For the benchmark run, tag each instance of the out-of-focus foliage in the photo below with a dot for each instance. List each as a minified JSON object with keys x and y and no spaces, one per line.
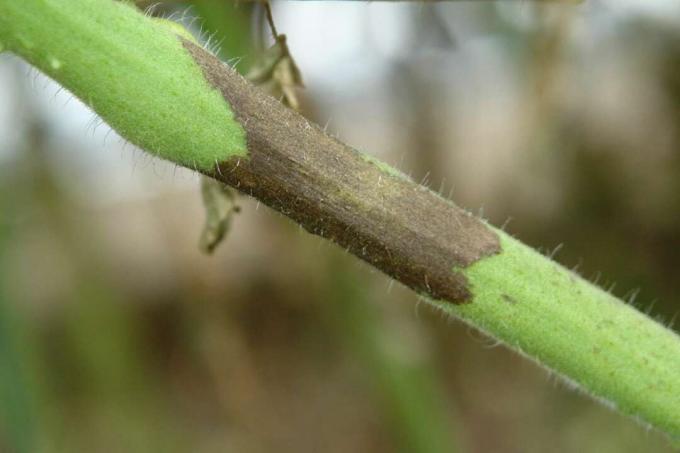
{"x":118,"y":334}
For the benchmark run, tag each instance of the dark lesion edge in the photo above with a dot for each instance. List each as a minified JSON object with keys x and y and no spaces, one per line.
{"x":402,"y":228}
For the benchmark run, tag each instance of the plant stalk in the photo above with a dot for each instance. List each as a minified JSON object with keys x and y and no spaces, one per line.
{"x":177,"y":101}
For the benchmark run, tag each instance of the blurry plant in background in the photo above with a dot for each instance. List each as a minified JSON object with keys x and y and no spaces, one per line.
{"x":117,"y":334}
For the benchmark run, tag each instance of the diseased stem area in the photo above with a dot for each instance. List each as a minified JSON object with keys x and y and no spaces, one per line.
{"x":332,"y":190}
{"x":176,"y":100}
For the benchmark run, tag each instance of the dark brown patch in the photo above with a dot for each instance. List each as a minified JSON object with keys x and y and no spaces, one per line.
{"x":509,"y":299}
{"x":400,"y":227}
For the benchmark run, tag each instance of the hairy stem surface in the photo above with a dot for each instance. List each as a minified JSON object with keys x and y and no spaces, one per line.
{"x":174,"y":99}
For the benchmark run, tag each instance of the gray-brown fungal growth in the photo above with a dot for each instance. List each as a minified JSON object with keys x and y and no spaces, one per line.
{"x":400,"y":227}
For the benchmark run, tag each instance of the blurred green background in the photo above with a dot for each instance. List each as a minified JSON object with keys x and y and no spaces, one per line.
{"x":118,"y":335}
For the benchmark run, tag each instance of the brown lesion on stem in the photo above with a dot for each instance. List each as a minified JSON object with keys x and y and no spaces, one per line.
{"x":398,"y":226}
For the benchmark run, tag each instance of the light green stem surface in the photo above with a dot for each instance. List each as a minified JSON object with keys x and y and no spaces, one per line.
{"x":136,"y":75}
{"x":555,"y":317}
{"x":131,"y":70}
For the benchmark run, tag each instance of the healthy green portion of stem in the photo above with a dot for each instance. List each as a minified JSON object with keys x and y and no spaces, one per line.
{"x":385,"y":167}
{"x":131,"y":70}
{"x":560,"y":320}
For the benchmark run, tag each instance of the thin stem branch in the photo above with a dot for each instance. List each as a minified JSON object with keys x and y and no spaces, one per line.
{"x":177,"y":101}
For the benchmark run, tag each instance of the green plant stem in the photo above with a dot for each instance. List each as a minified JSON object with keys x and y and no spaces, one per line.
{"x":177,"y":101}
{"x":132,"y":51}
